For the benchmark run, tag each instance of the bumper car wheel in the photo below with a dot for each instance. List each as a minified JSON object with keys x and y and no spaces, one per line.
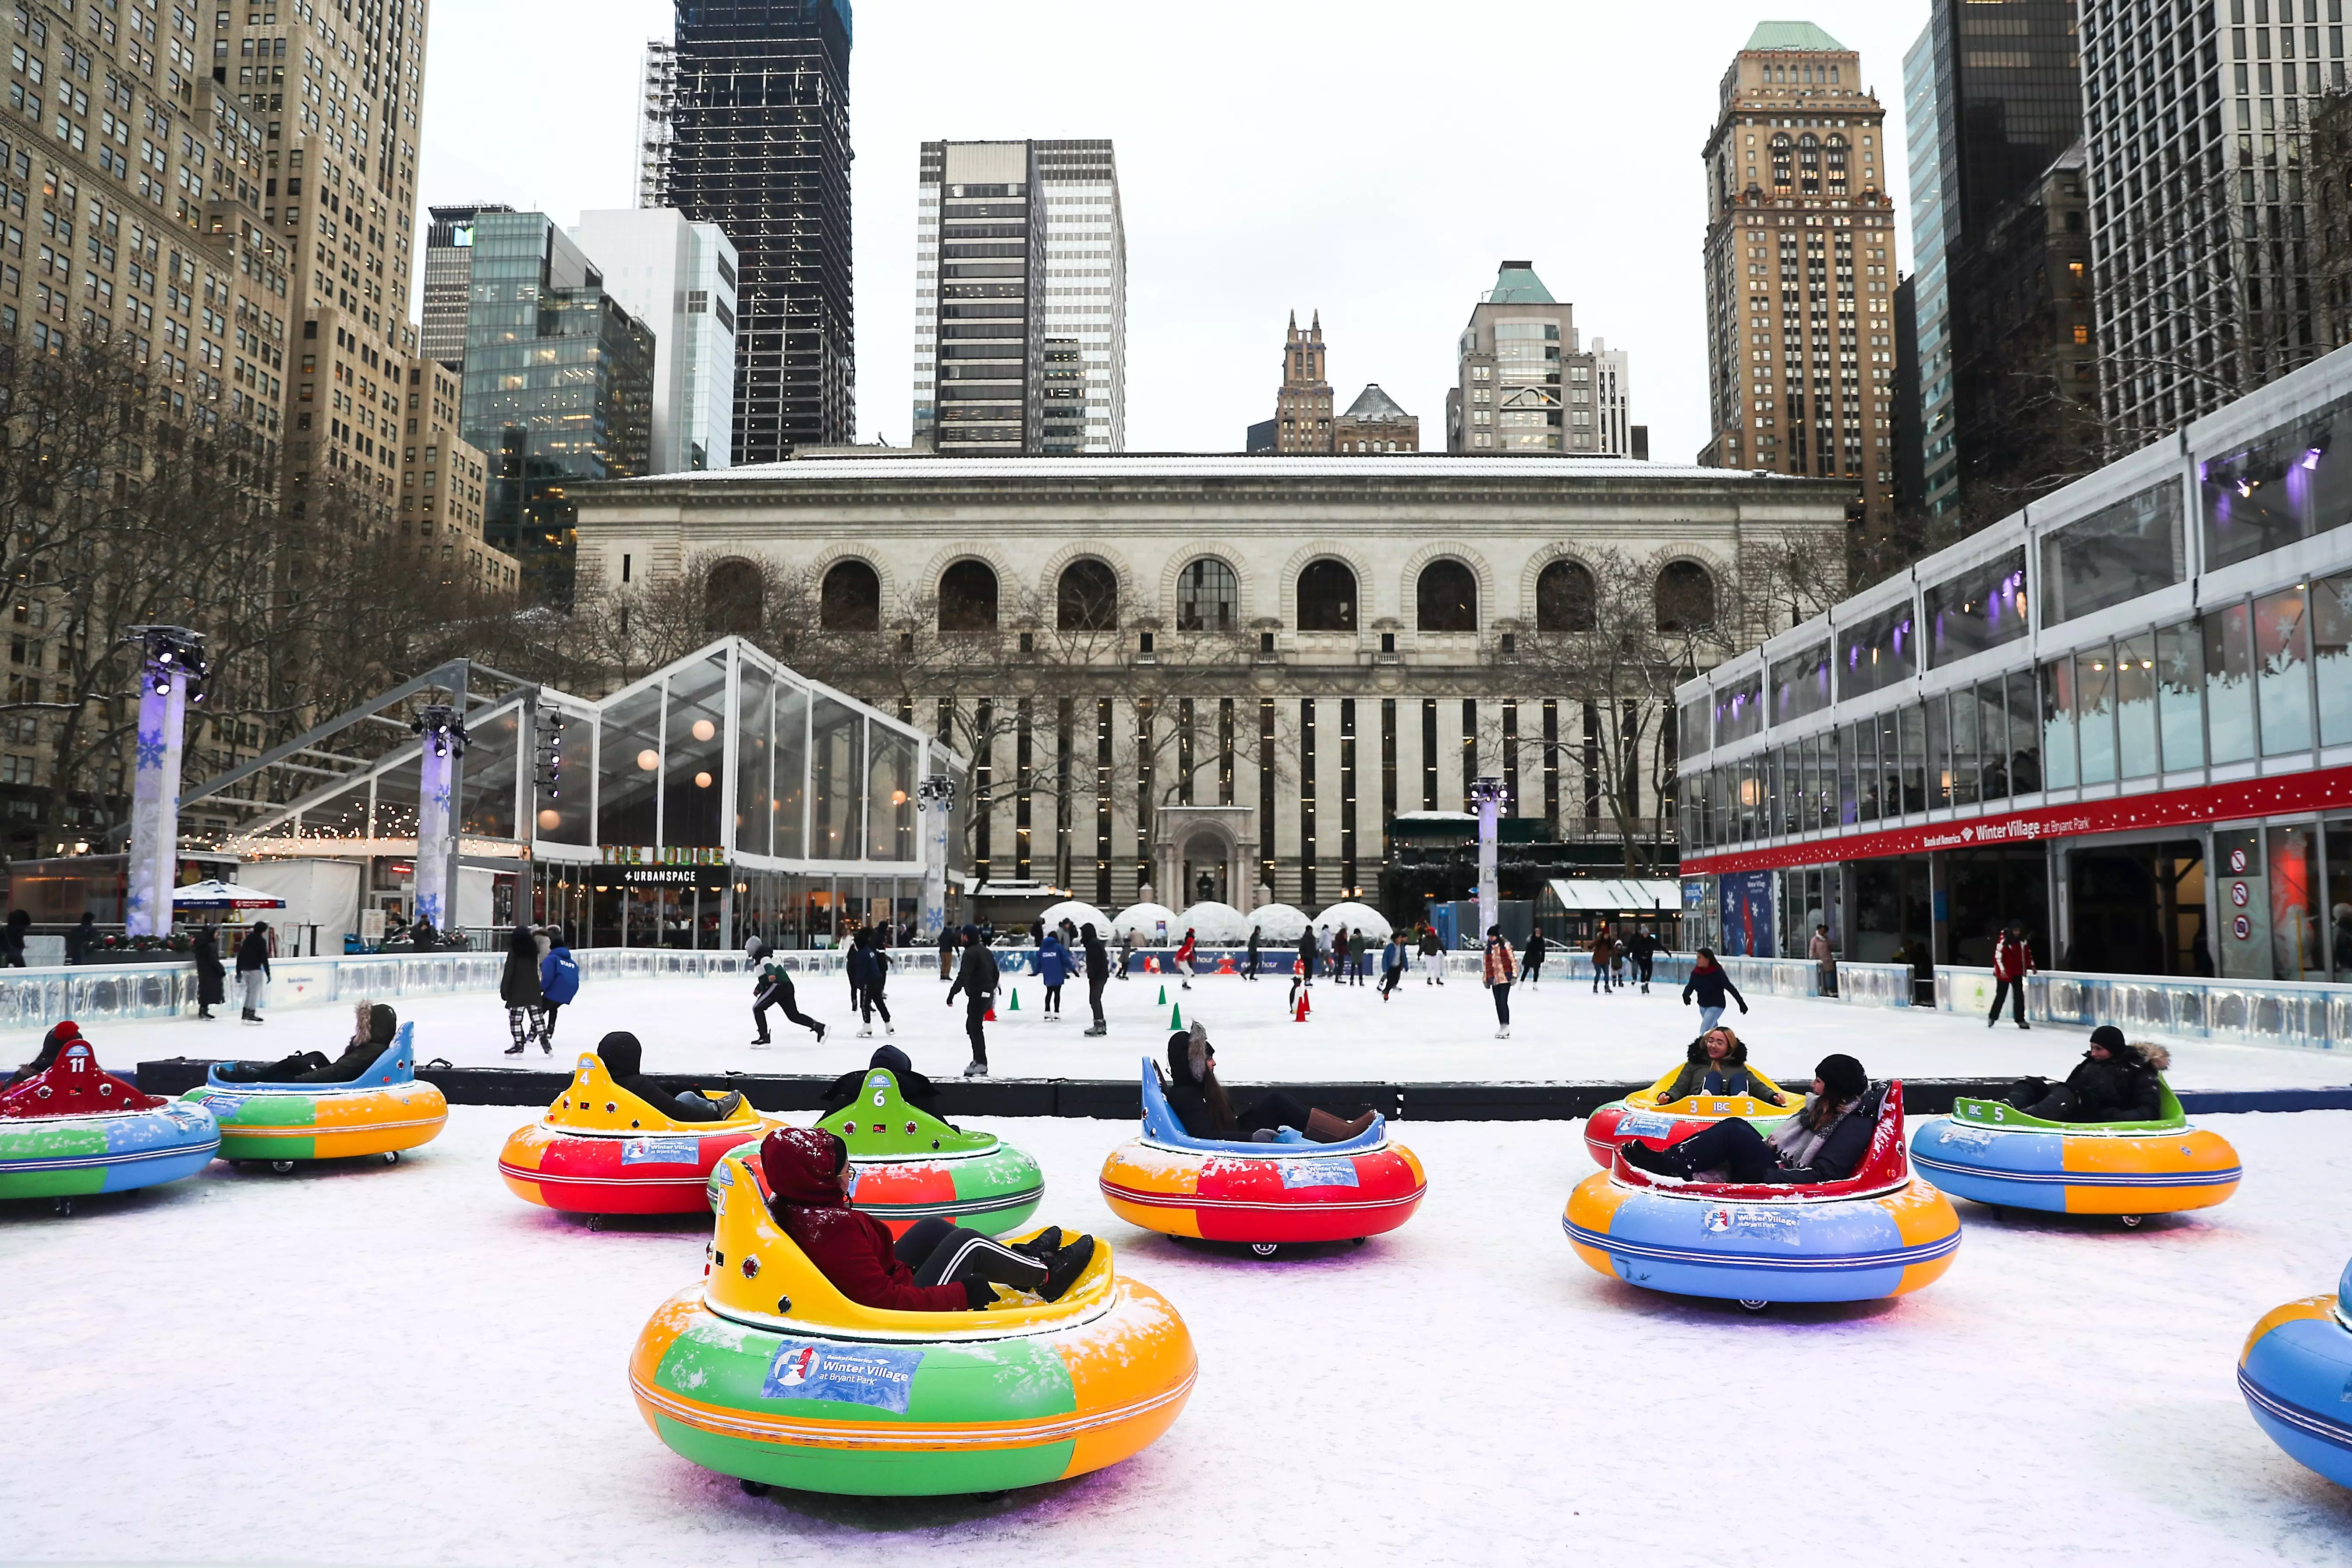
{"x":2131,"y":1221}
{"x":281,"y":1166}
{"x":1746,"y":1306}
{"x":1264,"y":1248}
{"x":753,"y":1488}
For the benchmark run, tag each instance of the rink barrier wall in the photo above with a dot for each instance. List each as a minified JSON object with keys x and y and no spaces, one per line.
{"x":2305,"y":1014}
{"x":1120,"y":1100}
{"x":1858,"y":984}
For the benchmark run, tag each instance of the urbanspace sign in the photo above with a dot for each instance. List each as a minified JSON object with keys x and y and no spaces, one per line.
{"x":2242,"y":799}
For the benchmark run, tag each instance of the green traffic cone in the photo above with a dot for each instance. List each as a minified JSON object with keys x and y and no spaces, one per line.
{"x":1176,"y":1016}
{"x":1163,"y":995}
{"x":1017,"y":1000}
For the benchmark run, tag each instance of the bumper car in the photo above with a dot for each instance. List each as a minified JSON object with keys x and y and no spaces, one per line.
{"x":765,"y":1372}
{"x":2293,"y":1372}
{"x":907,"y":1164}
{"x":600,"y":1149}
{"x":383,"y":1111}
{"x":75,"y":1129}
{"x":1994,"y":1154}
{"x":1881,"y":1232}
{"x":1262,"y":1194}
{"x":1642,"y":1116}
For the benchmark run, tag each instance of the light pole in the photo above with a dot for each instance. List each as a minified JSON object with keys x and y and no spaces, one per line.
{"x":170,"y":675}
{"x":441,"y":741}
{"x":1488,"y":794}
{"x":935,"y":796}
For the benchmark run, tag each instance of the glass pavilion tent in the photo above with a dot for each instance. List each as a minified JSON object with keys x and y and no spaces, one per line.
{"x":719,"y":795}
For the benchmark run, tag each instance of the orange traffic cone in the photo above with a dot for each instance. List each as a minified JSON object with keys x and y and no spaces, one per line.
{"x":989,"y":1017}
{"x":1226,"y":965}
{"x":1299,"y":1017}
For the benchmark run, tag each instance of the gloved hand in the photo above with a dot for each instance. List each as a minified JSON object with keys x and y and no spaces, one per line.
{"x":1743,"y":1007}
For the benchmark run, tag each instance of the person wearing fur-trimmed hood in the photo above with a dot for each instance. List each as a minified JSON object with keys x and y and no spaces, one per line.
{"x":1716,"y":1064}
{"x":2115,"y":1081}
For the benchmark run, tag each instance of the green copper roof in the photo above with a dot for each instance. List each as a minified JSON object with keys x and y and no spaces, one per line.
{"x":1516,"y":284}
{"x":1791,"y":36}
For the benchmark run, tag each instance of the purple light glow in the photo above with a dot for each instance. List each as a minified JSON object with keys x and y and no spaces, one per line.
{"x":2311,"y":457}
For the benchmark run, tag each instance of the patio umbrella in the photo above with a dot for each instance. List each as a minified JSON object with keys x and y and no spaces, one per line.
{"x":216,"y":894}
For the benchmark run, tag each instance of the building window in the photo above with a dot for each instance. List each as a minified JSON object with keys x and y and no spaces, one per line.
{"x":1086,"y":599}
{"x":1564,"y":598}
{"x":851,"y":598}
{"x":968,"y":598}
{"x":1208,"y":597}
{"x":1327,"y":597}
{"x":1686,"y":597}
{"x":1447,"y":598}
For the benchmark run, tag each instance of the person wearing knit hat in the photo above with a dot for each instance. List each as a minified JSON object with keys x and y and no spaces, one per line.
{"x":1824,"y":1142}
{"x":1199,"y":1103}
{"x":2115,"y":1081}
{"x":64,"y":1034}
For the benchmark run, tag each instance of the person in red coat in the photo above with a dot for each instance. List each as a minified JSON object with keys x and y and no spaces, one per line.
{"x":1185,"y":952}
{"x":2013,"y":961}
{"x":936,"y":1266}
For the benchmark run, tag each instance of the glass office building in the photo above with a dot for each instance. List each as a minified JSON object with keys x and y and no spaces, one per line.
{"x":2122,"y":718}
{"x":719,"y":795}
{"x":558,"y":385}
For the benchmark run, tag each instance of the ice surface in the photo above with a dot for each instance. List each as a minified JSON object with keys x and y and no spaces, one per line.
{"x":361,"y":1364}
{"x":1561,"y":1031}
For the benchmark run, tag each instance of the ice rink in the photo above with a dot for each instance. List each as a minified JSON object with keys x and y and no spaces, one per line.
{"x":366,"y":1364}
{"x":1428,"y":1033}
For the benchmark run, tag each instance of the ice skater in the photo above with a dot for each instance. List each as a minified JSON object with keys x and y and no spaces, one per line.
{"x":1710,"y":984}
{"x":1646,"y":947}
{"x":1499,"y":973}
{"x":1098,"y":973}
{"x":253,"y":969}
{"x":1127,"y":954}
{"x":869,"y":967}
{"x":519,"y":988}
{"x":1532,"y":964}
{"x":2013,"y":961}
{"x":976,"y":981}
{"x":205,"y":953}
{"x":1432,"y":958}
{"x":773,"y":988}
{"x":1185,"y":952}
{"x":1391,"y":965}
{"x":1604,"y":948}
{"x":1249,"y":966}
{"x":1053,"y":967}
{"x":1302,"y":974}
{"x":559,"y":983}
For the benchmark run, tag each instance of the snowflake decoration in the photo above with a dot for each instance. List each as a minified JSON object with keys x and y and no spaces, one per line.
{"x":151,"y":752}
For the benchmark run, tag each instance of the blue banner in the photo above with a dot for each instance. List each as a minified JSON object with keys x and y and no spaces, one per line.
{"x":874,"y":1375}
{"x":1747,"y":899}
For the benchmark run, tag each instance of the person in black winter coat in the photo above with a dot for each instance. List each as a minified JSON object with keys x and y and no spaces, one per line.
{"x":82,"y":939}
{"x":1097,"y":960}
{"x":1199,"y":1103}
{"x":519,"y":988}
{"x":1531,"y":963}
{"x":1716,"y":1064}
{"x":252,"y":968}
{"x":869,"y":975}
{"x":913,"y":1087}
{"x":62,"y":1034}
{"x":976,"y":981}
{"x":622,"y":1056}
{"x":773,"y":987}
{"x":2115,"y":1081}
{"x":1709,"y":983}
{"x":212,"y":988}
{"x":378,"y":1026}
{"x":1249,"y":970}
{"x":1825,"y":1141}
{"x":11,"y":939}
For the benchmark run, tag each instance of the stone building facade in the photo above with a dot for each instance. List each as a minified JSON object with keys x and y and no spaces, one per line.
{"x":1184,"y":664}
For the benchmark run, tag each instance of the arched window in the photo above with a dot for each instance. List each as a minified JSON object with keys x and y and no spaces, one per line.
{"x":1086,"y":599}
{"x":734,"y":599}
{"x":1208,"y":597}
{"x":851,"y":598}
{"x":1447,"y":598}
{"x":1809,"y":163}
{"x":1564,"y":598}
{"x":1686,"y":597}
{"x":1835,"y":156}
{"x":968,"y":598}
{"x":1327,"y":597}
{"x":1781,"y":145}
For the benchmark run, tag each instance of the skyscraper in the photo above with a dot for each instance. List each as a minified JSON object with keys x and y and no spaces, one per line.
{"x":1799,"y":266}
{"x":1302,"y":407}
{"x":1992,"y":97}
{"x":1523,"y":386}
{"x":557,"y":388}
{"x":1020,"y":298}
{"x":657,"y":97}
{"x":678,"y":279}
{"x":2200,"y":267}
{"x":759,"y":144}
{"x":1937,"y":483}
{"x":450,"y":280}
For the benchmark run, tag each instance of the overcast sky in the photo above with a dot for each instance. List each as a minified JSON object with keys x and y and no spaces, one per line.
{"x":1374,"y":160}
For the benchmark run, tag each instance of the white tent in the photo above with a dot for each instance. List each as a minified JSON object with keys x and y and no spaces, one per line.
{"x":1079,"y":913}
{"x":1154,"y":925}
{"x":1357,"y":917}
{"x":219,"y":895}
{"x":1275,"y":922}
{"x":1213,"y":922}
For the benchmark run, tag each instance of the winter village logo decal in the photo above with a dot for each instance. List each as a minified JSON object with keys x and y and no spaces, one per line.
{"x":1717,"y":1220}
{"x":870,"y":1375}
